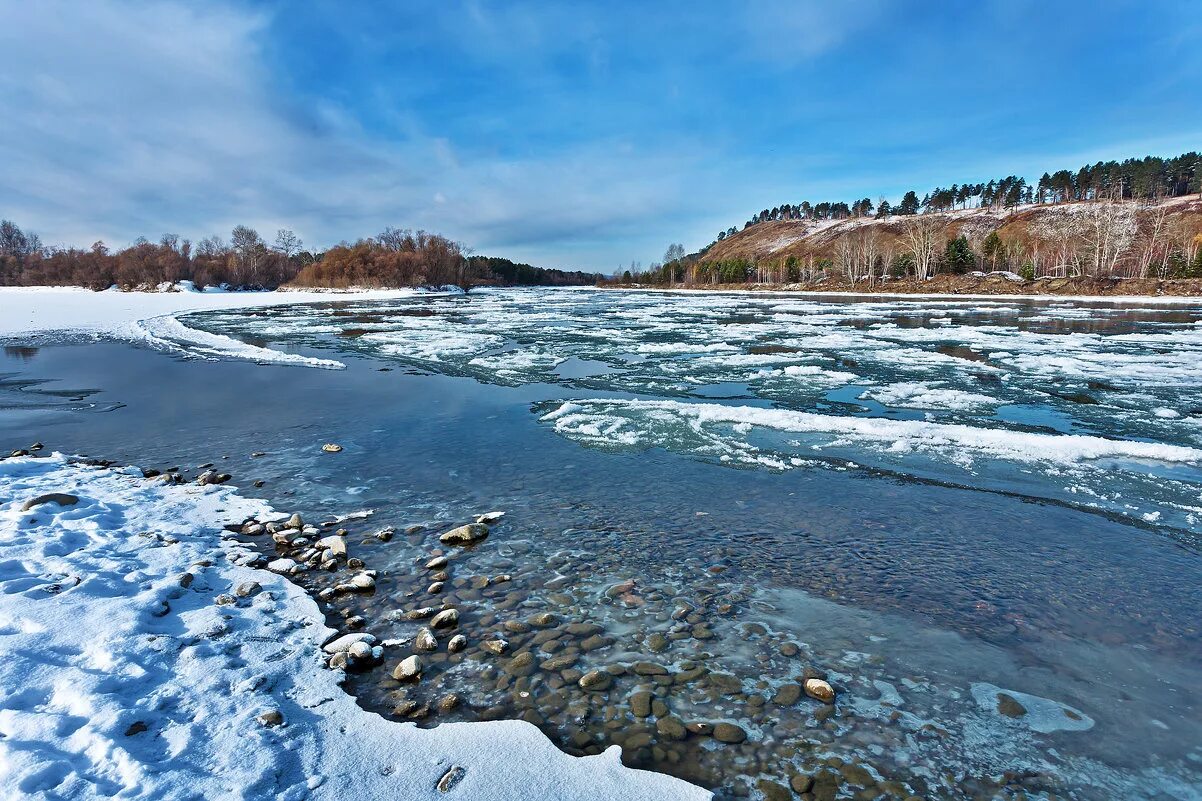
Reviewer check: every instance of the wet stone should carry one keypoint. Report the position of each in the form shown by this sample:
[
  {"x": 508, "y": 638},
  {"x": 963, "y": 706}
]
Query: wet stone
[
  {"x": 522, "y": 664},
  {"x": 729, "y": 733},
  {"x": 596, "y": 680}
]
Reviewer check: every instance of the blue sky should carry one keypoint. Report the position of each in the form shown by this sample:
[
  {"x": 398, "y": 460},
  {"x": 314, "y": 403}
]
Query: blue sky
[{"x": 564, "y": 134}]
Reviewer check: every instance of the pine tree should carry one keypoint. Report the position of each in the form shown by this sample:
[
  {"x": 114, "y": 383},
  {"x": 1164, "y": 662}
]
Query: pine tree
[{"x": 909, "y": 204}]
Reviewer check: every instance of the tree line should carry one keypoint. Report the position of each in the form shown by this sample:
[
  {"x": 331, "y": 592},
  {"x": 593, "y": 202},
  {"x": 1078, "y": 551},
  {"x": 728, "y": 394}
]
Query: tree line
[
  {"x": 1147, "y": 178},
  {"x": 393, "y": 258}
]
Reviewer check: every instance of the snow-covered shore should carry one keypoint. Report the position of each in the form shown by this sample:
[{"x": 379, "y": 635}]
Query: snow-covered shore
[
  {"x": 149, "y": 317},
  {"x": 122, "y": 675}
]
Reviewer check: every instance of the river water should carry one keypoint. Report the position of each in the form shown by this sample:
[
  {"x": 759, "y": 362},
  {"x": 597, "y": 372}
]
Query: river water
[{"x": 978, "y": 519}]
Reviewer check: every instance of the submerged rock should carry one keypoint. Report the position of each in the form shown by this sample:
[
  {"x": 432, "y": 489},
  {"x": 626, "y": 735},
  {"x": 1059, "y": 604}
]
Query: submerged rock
[
  {"x": 464, "y": 535},
  {"x": 820, "y": 690},
  {"x": 729, "y": 733}
]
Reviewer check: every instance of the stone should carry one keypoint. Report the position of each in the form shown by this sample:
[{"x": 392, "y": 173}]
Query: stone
[
  {"x": 594, "y": 642},
  {"x": 496, "y": 646},
  {"x": 420, "y": 614},
  {"x": 409, "y": 669},
  {"x": 729, "y": 733},
  {"x": 296, "y": 521},
  {"x": 362, "y": 581},
  {"x": 820, "y": 691},
  {"x": 448, "y": 702},
  {"x": 345, "y": 641},
  {"x": 332, "y": 447},
  {"x": 640, "y": 703},
  {"x": 773, "y": 791},
  {"x": 225, "y": 599},
  {"x": 1009, "y": 706},
  {"x": 270, "y": 718},
  {"x": 657, "y": 643},
  {"x": 522, "y": 664},
  {"x": 437, "y": 563},
  {"x": 333, "y": 545},
  {"x": 451, "y": 778},
  {"x": 801, "y": 783},
  {"x": 649, "y": 669},
  {"x": 701, "y": 729},
  {"x": 671, "y": 728},
  {"x": 360, "y": 651},
  {"x": 789, "y": 649},
  {"x": 490, "y": 518},
  {"x": 582, "y": 629},
  {"x": 543, "y": 619},
  {"x": 435, "y": 588},
  {"x": 464, "y": 535},
  {"x": 456, "y": 644},
  {"x": 425, "y": 641},
  {"x": 60, "y": 498},
  {"x": 596, "y": 680},
  {"x": 787, "y": 695},
  {"x": 447, "y": 618}
]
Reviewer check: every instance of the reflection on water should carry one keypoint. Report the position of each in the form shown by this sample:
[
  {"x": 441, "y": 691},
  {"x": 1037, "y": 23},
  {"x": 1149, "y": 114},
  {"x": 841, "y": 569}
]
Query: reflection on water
[{"x": 708, "y": 594}]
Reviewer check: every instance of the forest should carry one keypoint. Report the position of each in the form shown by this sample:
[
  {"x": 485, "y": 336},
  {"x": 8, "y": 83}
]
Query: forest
[
  {"x": 1139, "y": 218},
  {"x": 393, "y": 258}
]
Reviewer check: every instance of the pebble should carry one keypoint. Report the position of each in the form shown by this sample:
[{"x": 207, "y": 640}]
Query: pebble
[
  {"x": 729, "y": 733},
  {"x": 464, "y": 535},
  {"x": 820, "y": 690},
  {"x": 425, "y": 641},
  {"x": 437, "y": 563},
  {"x": 435, "y": 588},
  {"x": 787, "y": 695},
  {"x": 596, "y": 680},
  {"x": 456, "y": 644},
  {"x": 345, "y": 641},
  {"x": 447, "y": 618},
  {"x": 671, "y": 728},
  {"x": 332, "y": 447},
  {"x": 270, "y": 718},
  {"x": 522, "y": 664},
  {"x": 496, "y": 646},
  {"x": 410, "y": 668},
  {"x": 489, "y": 518}
]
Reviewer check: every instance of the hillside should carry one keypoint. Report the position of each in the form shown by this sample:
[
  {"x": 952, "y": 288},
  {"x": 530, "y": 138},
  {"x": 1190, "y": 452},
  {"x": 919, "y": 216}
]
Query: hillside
[{"x": 1094, "y": 241}]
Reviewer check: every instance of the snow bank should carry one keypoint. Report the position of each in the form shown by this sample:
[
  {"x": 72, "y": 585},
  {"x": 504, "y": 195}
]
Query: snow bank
[
  {"x": 149, "y": 317},
  {"x": 120, "y": 675}
]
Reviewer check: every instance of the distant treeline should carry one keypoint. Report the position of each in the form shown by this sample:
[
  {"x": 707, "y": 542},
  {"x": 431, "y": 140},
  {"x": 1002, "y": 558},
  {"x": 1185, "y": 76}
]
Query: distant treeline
[
  {"x": 510, "y": 273},
  {"x": 394, "y": 258},
  {"x": 1148, "y": 178}
]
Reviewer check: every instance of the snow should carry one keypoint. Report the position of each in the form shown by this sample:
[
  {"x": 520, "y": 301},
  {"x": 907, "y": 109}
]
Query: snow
[
  {"x": 578, "y": 419},
  {"x": 915, "y": 395},
  {"x": 121, "y": 676},
  {"x": 149, "y": 317}
]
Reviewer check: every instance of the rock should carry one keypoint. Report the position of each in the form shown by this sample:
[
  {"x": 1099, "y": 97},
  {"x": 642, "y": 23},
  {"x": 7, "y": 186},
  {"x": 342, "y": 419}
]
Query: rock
[
  {"x": 594, "y": 642},
  {"x": 296, "y": 521},
  {"x": 671, "y": 728},
  {"x": 773, "y": 791},
  {"x": 344, "y": 642},
  {"x": 657, "y": 643},
  {"x": 225, "y": 599},
  {"x": 596, "y": 680},
  {"x": 448, "y": 702},
  {"x": 649, "y": 669},
  {"x": 385, "y": 534},
  {"x": 270, "y": 718},
  {"x": 820, "y": 690},
  {"x": 282, "y": 566},
  {"x": 355, "y": 564},
  {"x": 425, "y": 641},
  {"x": 409, "y": 669},
  {"x": 640, "y": 703},
  {"x": 789, "y": 649},
  {"x": 435, "y": 588},
  {"x": 522, "y": 664},
  {"x": 362, "y": 582},
  {"x": 456, "y": 644},
  {"x": 496, "y": 646},
  {"x": 333, "y": 545},
  {"x": 420, "y": 614},
  {"x": 331, "y": 447},
  {"x": 543, "y": 619},
  {"x": 437, "y": 563},
  {"x": 787, "y": 695},
  {"x": 582, "y": 629},
  {"x": 702, "y": 729},
  {"x": 451, "y": 778},
  {"x": 1009, "y": 706},
  {"x": 360, "y": 652},
  {"x": 464, "y": 535},
  {"x": 489, "y": 518},
  {"x": 37, "y": 446},
  {"x": 729, "y": 733},
  {"x": 801, "y": 783},
  {"x": 60, "y": 498},
  {"x": 447, "y": 618}
]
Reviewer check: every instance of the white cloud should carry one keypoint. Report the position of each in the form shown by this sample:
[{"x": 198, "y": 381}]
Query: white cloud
[{"x": 136, "y": 119}]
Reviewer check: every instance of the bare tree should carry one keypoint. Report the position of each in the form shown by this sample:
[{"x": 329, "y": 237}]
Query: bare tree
[
  {"x": 287, "y": 243},
  {"x": 921, "y": 234}
]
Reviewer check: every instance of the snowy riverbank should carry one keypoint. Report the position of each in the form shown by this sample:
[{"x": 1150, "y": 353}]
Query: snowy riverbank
[
  {"x": 149, "y": 317},
  {"x": 122, "y": 673}
]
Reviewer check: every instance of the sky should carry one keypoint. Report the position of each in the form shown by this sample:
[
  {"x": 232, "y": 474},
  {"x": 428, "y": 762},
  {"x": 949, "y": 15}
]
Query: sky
[{"x": 573, "y": 135}]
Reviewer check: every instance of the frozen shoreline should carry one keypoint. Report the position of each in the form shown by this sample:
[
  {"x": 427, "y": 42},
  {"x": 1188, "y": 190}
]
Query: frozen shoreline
[
  {"x": 150, "y": 317},
  {"x": 121, "y": 674},
  {"x": 1151, "y": 300}
]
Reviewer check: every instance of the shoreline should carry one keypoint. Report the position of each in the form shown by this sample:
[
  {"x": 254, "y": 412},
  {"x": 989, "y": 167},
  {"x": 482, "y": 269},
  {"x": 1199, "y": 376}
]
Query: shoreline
[
  {"x": 911, "y": 290},
  {"x": 243, "y": 649}
]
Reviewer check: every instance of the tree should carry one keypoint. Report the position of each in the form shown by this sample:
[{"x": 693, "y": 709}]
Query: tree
[
  {"x": 883, "y": 209},
  {"x": 921, "y": 234},
  {"x": 287, "y": 243},
  {"x": 958, "y": 255},
  {"x": 909, "y": 204}
]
